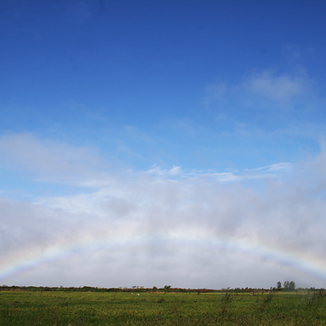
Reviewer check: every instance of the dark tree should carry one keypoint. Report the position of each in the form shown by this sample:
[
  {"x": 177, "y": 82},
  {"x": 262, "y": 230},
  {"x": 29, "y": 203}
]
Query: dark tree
[
  {"x": 289, "y": 286},
  {"x": 167, "y": 288},
  {"x": 286, "y": 285},
  {"x": 292, "y": 286},
  {"x": 279, "y": 285}
]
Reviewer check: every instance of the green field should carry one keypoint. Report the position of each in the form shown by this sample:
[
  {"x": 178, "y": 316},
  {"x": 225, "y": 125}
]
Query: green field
[{"x": 125, "y": 308}]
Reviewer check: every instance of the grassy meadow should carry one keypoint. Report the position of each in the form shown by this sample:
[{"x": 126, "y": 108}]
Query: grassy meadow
[{"x": 132, "y": 308}]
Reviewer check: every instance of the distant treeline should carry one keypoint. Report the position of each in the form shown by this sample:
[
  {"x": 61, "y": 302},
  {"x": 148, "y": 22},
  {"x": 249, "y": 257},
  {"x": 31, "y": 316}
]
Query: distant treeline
[
  {"x": 141, "y": 289},
  {"x": 138, "y": 289}
]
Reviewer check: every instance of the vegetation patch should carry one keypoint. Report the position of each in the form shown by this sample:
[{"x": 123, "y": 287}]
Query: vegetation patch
[{"x": 172, "y": 307}]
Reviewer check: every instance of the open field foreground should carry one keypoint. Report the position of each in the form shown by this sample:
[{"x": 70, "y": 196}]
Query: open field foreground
[{"x": 84, "y": 308}]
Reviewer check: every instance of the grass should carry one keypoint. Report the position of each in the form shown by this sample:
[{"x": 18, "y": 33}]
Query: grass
[{"x": 123, "y": 308}]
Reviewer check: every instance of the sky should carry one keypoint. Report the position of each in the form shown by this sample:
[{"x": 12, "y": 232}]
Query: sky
[{"x": 153, "y": 143}]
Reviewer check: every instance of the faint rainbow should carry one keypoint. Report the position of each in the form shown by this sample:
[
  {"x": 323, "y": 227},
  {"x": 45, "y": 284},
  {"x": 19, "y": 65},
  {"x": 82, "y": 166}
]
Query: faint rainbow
[{"x": 19, "y": 264}]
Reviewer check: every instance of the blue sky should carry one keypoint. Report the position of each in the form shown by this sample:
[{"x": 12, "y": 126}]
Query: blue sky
[
  {"x": 113, "y": 112},
  {"x": 171, "y": 72}
]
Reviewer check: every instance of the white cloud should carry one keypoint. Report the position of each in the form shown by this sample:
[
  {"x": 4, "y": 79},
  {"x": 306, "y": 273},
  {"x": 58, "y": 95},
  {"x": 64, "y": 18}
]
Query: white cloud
[
  {"x": 284, "y": 166},
  {"x": 273, "y": 170},
  {"x": 166, "y": 227},
  {"x": 176, "y": 170},
  {"x": 50, "y": 160},
  {"x": 277, "y": 87}
]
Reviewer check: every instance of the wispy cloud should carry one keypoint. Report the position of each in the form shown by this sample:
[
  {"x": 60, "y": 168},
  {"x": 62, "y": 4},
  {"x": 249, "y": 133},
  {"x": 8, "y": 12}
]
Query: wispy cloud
[
  {"x": 277, "y": 87},
  {"x": 268, "y": 105},
  {"x": 175, "y": 171}
]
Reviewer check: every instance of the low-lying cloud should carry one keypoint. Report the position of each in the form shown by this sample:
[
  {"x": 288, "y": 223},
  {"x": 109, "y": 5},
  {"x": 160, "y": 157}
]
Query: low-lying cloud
[{"x": 161, "y": 227}]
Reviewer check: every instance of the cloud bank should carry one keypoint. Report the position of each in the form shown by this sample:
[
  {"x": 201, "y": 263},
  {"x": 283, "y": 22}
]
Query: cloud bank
[{"x": 157, "y": 227}]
